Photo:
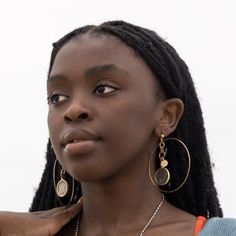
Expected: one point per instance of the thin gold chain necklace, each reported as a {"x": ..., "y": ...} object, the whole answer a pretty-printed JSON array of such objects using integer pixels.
[{"x": 144, "y": 228}]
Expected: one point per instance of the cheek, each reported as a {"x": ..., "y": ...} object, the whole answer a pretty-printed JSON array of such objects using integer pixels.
[
  {"x": 54, "y": 131},
  {"x": 52, "y": 127},
  {"x": 135, "y": 118},
  {"x": 129, "y": 128}
]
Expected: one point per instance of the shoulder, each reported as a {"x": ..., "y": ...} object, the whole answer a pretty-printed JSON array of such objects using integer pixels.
[{"x": 219, "y": 227}]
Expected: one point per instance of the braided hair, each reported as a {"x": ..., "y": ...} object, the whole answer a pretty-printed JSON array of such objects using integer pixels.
[{"x": 198, "y": 196}]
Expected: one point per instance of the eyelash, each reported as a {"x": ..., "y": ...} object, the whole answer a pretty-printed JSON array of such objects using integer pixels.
[
  {"x": 102, "y": 86},
  {"x": 51, "y": 98}
]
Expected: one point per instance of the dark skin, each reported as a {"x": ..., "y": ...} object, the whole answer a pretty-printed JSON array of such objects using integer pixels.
[
  {"x": 98, "y": 84},
  {"x": 38, "y": 223}
]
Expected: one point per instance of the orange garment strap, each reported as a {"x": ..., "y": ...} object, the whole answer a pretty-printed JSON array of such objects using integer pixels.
[{"x": 199, "y": 224}]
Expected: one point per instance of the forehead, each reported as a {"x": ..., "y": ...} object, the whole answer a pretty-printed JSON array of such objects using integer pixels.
[
  {"x": 99, "y": 45},
  {"x": 88, "y": 50}
]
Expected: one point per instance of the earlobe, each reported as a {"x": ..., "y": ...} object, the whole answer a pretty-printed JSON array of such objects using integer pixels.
[{"x": 172, "y": 111}]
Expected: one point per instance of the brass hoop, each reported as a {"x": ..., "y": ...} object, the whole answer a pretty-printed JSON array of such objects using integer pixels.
[
  {"x": 188, "y": 170},
  {"x": 55, "y": 186}
]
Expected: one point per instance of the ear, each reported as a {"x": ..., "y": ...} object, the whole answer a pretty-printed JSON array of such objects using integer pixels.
[{"x": 171, "y": 112}]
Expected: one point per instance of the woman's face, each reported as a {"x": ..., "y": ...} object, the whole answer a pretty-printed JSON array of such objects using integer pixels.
[{"x": 103, "y": 107}]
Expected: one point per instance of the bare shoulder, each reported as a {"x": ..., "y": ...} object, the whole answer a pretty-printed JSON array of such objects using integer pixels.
[{"x": 173, "y": 221}]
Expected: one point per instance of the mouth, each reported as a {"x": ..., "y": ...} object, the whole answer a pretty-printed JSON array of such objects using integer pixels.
[
  {"x": 79, "y": 147},
  {"x": 77, "y": 141}
]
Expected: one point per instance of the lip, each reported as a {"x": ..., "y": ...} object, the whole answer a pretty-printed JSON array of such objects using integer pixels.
[{"x": 79, "y": 141}]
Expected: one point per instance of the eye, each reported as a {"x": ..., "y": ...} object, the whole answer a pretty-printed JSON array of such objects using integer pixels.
[
  {"x": 104, "y": 89},
  {"x": 56, "y": 98}
]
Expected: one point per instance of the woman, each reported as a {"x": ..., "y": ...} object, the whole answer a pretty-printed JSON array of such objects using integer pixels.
[{"x": 126, "y": 124}]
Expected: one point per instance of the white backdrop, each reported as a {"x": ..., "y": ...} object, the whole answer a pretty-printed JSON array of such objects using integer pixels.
[{"x": 203, "y": 32}]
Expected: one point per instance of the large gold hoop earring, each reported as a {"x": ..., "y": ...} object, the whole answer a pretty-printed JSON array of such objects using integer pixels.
[
  {"x": 162, "y": 175},
  {"x": 62, "y": 187}
]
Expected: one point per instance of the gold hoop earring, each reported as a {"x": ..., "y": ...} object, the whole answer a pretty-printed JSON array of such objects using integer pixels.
[
  {"x": 62, "y": 187},
  {"x": 162, "y": 175}
]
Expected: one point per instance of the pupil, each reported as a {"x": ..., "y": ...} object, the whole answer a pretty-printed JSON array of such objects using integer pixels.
[
  {"x": 56, "y": 99},
  {"x": 101, "y": 89}
]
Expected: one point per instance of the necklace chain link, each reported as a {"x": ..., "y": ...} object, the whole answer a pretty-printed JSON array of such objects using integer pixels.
[{"x": 144, "y": 228}]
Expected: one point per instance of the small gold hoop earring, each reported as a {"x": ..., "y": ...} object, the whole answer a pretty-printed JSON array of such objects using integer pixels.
[
  {"x": 62, "y": 187},
  {"x": 162, "y": 175}
]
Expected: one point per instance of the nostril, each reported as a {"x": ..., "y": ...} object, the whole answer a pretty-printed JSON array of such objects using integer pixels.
[
  {"x": 72, "y": 117},
  {"x": 67, "y": 119},
  {"x": 83, "y": 116}
]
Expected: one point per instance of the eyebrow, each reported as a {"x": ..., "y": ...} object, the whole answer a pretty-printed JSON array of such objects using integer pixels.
[
  {"x": 94, "y": 71},
  {"x": 105, "y": 68}
]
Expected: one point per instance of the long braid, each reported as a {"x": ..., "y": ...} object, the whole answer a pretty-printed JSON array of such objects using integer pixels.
[
  {"x": 198, "y": 196},
  {"x": 42, "y": 200}
]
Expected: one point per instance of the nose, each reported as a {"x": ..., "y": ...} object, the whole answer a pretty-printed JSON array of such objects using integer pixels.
[{"x": 77, "y": 112}]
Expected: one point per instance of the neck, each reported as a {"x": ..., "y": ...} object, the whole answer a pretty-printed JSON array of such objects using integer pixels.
[
  {"x": 123, "y": 202},
  {"x": 116, "y": 201}
]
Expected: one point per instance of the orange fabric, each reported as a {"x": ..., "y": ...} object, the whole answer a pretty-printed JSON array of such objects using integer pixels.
[{"x": 199, "y": 224}]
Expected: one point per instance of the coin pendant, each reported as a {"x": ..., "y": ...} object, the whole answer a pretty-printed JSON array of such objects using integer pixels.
[
  {"x": 162, "y": 176},
  {"x": 62, "y": 188}
]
